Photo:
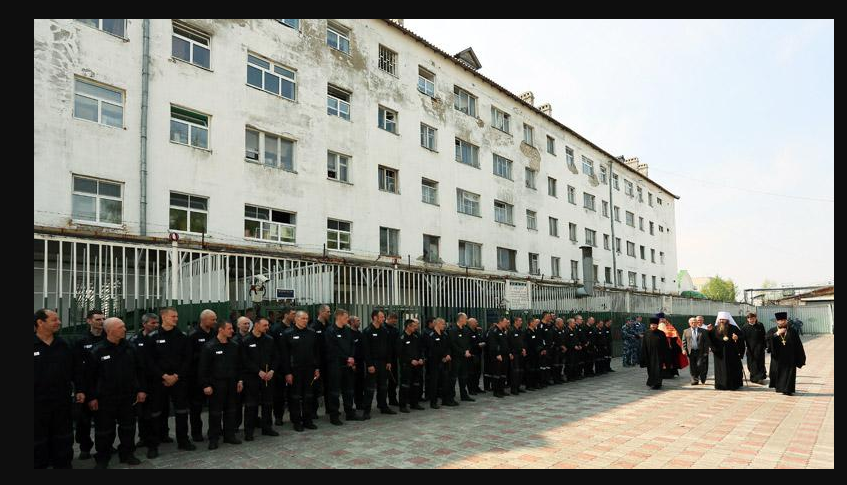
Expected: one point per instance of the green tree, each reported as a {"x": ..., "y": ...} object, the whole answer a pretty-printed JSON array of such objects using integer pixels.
[{"x": 720, "y": 289}]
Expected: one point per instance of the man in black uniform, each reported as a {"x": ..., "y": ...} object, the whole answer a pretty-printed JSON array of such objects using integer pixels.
[
  {"x": 439, "y": 361},
  {"x": 393, "y": 336},
  {"x": 116, "y": 373},
  {"x": 572, "y": 348},
  {"x": 242, "y": 323},
  {"x": 558, "y": 354},
  {"x": 219, "y": 374},
  {"x": 597, "y": 343},
  {"x": 280, "y": 392},
  {"x": 586, "y": 352},
  {"x": 534, "y": 345},
  {"x": 477, "y": 343},
  {"x": 607, "y": 358},
  {"x": 320, "y": 326},
  {"x": 259, "y": 362},
  {"x": 340, "y": 359},
  {"x": 426, "y": 340},
  {"x": 359, "y": 367},
  {"x": 168, "y": 357},
  {"x": 299, "y": 347},
  {"x": 754, "y": 335},
  {"x": 460, "y": 358},
  {"x": 517, "y": 355},
  {"x": 83, "y": 346},
  {"x": 379, "y": 353},
  {"x": 56, "y": 367},
  {"x": 545, "y": 330},
  {"x": 149, "y": 323},
  {"x": 411, "y": 362},
  {"x": 198, "y": 337},
  {"x": 243, "y": 327},
  {"x": 498, "y": 354}
]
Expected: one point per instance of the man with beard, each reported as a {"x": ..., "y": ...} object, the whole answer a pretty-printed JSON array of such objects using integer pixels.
[
  {"x": 754, "y": 338},
  {"x": 787, "y": 355},
  {"x": 654, "y": 349},
  {"x": 727, "y": 344}
]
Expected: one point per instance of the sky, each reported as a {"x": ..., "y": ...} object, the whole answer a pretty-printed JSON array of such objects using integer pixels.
[{"x": 735, "y": 117}]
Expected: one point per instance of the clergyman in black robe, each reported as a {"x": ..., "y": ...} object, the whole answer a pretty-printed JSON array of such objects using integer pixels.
[
  {"x": 787, "y": 355},
  {"x": 727, "y": 344},
  {"x": 754, "y": 338},
  {"x": 654, "y": 350}
]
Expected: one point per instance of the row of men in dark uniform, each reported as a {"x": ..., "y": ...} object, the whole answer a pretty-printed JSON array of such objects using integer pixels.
[{"x": 292, "y": 364}]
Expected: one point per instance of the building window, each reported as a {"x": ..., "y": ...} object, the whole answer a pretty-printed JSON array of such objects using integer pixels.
[
  {"x": 569, "y": 157},
  {"x": 389, "y": 244},
  {"x": 617, "y": 211},
  {"x": 337, "y": 166},
  {"x": 587, "y": 167},
  {"x": 426, "y": 82},
  {"x": 640, "y": 194},
  {"x": 615, "y": 182},
  {"x": 112, "y": 26},
  {"x": 97, "y": 201},
  {"x": 661, "y": 229},
  {"x": 662, "y": 259},
  {"x": 630, "y": 219},
  {"x": 654, "y": 283},
  {"x": 503, "y": 212},
  {"x": 632, "y": 276},
  {"x": 98, "y": 103},
  {"x": 338, "y": 235},
  {"x": 605, "y": 209},
  {"x": 428, "y": 137},
  {"x": 619, "y": 281},
  {"x": 574, "y": 270},
  {"x": 279, "y": 152},
  {"x": 467, "y": 153},
  {"x": 530, "y": 177},
  {"x": 663, "y": 280},
  {"x": 554, "y": 267},
  {"x": 528, "y": 135},
  {"x": 627, "y": 187},
  {"x": 643, "y": 252},
  {"x": 338, "y": 37},
  {"x": 641, "y": 223},
  {"x": 595, "y": 275},
  {"x": 618, "y": 245},
  {"x": 337, "y": 102},
  {"x": 572, "y": 231},
  {"x": 533, "y": 264},
  {"x": 604, "y": 176},
  {"x": 551, "y": 145},
  {"x": 470, "y": 255},
  {"x": 188, "y": 213},
  {"x": 652, "y": 255},
  {"x": 588, "y": 201},
  {"x": 590, "y": 237},
  {"x": 388, "y": 179},
  {"x": 429, "y": 191},
  {"x": 502, "y": 167},
  {"x": 500, "y": 119},
  {"x": 387, "y": 119},
  {"x": 608, "y": 275},
  {"x": 506, "y": 259},
  {"x": 531, "y": 220},
  {"x": 387, "y": 60},
  {"x": 551, "y": 186},
  {"x": 430, "y": 248},
  {"x": 464, "y": 101},
  {"x": 189, "y": 128},
  {"x": 630, "y": 249},
  {"x": 554, "y": 226},
  {"x": 659, "y": 200},
  {"x": 293, "y": 23},
  {"x": 651, "y": 228},
  {"x": 571, "y": 195},
  {"x": 191, "y": 45},
  {"x": 606, "y": 242},
  {"x": 270, "y": 77},
  {"x": 467, "y": 203},
  {"x": 269, "y": 224}
]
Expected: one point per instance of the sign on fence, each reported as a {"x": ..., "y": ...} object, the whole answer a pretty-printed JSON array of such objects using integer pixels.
[{"x": 518, "y": 295}]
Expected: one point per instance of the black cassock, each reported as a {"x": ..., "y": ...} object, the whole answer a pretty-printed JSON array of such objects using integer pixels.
[
  {"x": 671, "y": 362},
  {"x": 654, "y": 351},
  {"x": 786, "y": 357},
  {"x": 727, "y": 357},
  {"x": 754, "y": 336}
]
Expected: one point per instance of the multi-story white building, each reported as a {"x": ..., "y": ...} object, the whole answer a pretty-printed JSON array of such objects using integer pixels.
[{"x": 352, "y": 139}]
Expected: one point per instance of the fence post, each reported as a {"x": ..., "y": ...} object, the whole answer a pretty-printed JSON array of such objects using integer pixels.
[{"x": 174, "y": 271}]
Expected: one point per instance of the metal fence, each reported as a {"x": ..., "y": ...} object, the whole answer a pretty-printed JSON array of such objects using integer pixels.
[{"x": 816, "y": 318}]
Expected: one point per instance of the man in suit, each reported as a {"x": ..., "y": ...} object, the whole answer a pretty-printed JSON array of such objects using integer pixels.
[{"x": 696, "y": 346}]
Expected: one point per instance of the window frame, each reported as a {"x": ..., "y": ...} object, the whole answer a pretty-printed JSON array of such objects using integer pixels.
[
  {"x": 630, "y": 219},
  {"x": 551, "y": 145},
  {"x": 191, "y": 30},
  {"x": 531, "y": 215},
  {"x": 528, "y": 178},
  {"x": 473, "y": 150},
  {"x": 471, "y": 103},
  {"x": 426, "y": 82},
  {"x": 574, "y": 270},
  {"x": 390, "y": 231},
  {"x": 101, "y": 29},
  {"x": 551, "y": 184},
  {"x": 531, "y": 130},
  {"x": 99, "y": 100},
  {"x": 433, "y": 188},
  {"x": 476, "y": 254},
  {"x": 97, "y": 198},
  {"x": 604, "y": 175},
  {"x": 572, "y": 231},
  {"x": 338, "y": 232},
  {"x": 383, "y": 179},
  {"x": 590, "y": 164},
  {"x": 191, "y": 126},
  {"x": 569, "y": 157},
  {"x": 383, "y": 122},
  {"x": 429, "y": 133},
  {"x": 338, "y": 166},
  {"x": 270, "y": 222},
  {"x": 630, "y": 249},
  {"x": 555, "y": 267},
  {"x": 553, "y": 224},
  {"x": 511, "y": 255},
  {"x": 339, "y": 101},
  {"x": 586, "y": 198},
  {"x": 271, "y": 70},
  {"x": 507, "y": 209},
  {"x": 262, "y": 152},
  {"x": 503, "y": 161},
  {"x": 341, "y": 32},
  {"x": 189, "y": 211},
  {"x": 533, "y": 261},
  {"x": 429, "y": 258},
  {"x": 392, "y": 62},
  {"x": 283, "y": 22},
  {"x": 503, "y": 120},
  {"x": 464, "y": 198},
  {"x": 590, "y": 241}
]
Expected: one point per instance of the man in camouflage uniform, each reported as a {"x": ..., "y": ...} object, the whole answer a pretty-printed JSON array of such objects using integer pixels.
[{"x": 629, "y": 332}]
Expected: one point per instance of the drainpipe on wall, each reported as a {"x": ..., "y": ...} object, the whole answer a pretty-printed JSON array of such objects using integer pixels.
[
  {"x": 612, "y": 224},
  {"x": 145, "y": 75}
]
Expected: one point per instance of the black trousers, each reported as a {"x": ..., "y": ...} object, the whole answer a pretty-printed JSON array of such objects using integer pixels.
[
  {"x": 222, "y": 406},
  {"x": 300, "y": 395},
  {"x": 475, "y": 373},
  {"x": 359, "y": 384},
  {"x": 487, "y": 369},
  {"x": 160, "y": 399},
  {"x": 698, "y": 364},
  {"x": 196, "y": 400},
  {"x": 498, "y": 373},
  {"x": 116, "y": 410},
  {"x": 319, "y": 390},
  {"x": 54, "y": 441},
  {"x": 84, "y": 420},
  {"x": 376, "y": 383},
  {"x": 439, "y": 382},
  {"x": 393, "y": 383},
  {"x": 280, "y": 396},
  {"x": 558, "y": 365},
  {"x": 410, "y": 384},
  {"x": 256, "y": 393},
  {"x": 532, "y": 371},
  {"x": 516, "y": 373},
  {"x": 339, "y": 383},
  {"x": 588, "y": 361},
  {"x": 459, "y": 372},
  {"x": 544, "y": 369},
  {"x": 572, "y": 364}
]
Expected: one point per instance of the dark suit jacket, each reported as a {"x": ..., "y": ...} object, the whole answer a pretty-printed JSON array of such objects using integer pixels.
[{"x": 702, "y": 340}]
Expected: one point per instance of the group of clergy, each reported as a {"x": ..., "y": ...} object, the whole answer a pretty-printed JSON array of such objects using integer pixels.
[{"x": 663, "y": 352}]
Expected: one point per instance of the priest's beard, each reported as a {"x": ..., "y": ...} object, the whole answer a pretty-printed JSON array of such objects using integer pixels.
[
  {"x": 782, "y": 325},
  {"x": 722, "y": 328}
]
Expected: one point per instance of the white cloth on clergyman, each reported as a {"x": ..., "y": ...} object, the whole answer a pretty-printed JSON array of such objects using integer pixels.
[{"x": 726, "y": 316}]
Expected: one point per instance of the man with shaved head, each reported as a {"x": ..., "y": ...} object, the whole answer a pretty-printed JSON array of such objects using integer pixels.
[
  {"x": 198, "y": 337},
  {"x": 300, "y": 365},
  {"x": 477, "y": 343}
]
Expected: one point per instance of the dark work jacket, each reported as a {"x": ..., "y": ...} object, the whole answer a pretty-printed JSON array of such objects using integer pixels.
[
  {"x": 409, "y": 348},
  {"x": 557, "y": 339},
  {"x": 426, "y": 341},
  {"x": 115, "y": 370},
  {"x": 139, "y": 341},
  {"x": 277, "y": 330},
  {"x": 167, "y": 352},
  {"x": 377, "y": 347},
  {"x": 219, "y": 362},
  {"x": 476, "y": 339},
  {"x": 534, "y": 342},
  {"x": 497, "y": 344},
  {"x": 460, "y": 341},
  {"x": 258, "y": 354},
  {"x": 82, "y": 351},
  {"x": 570, "y": 339},
  {"x": 393, "y": 336},
  {"x": 320, "y": 329},
  {"x": 358, "y": 351},
  {"x": 439, "y": 347},
  {"x": 339, "y": 345},
  {"x": 299, "y": 349},
  {"x": 516, "y": 340},
  {"x": 56, "y": 368},
  {"x": 198, "y": 338}
]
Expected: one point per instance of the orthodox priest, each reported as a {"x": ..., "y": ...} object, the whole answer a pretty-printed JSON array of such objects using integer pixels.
[
  {"x": 754, "y": 338},
  {"x": 654, "y": 351},
  {"x": 787, "y": 355},
  {"x": 727, "y": 343}
]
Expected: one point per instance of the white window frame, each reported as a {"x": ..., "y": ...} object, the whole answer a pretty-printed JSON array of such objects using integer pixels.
[
  {"x": 338, "y": 233},
  {"x": 501, "y": 161},
  {"x": 272, "y": 69},
  {"x": 640, "y": 192},
  {"x": 529, "y": 130},
  {"x": 97, "y": 196},
  {"x": 587, "y": 166},
  {"x": 551, "y": 145},
  {"x": 511, "y": 255},
  {"x": 608, "y": 275},
  {"x": 429, "y": 137},
  {"x": 500, "y": 120},
  {"x": 387, "y": 60},
  {"x": 641, "y": 223},
  {"x": 607, "y": 244},
  {"x": 187, "y": 29},
  {"x": 575, "y": 270},
  {"x": 99, "y": 99},
  {"x": 425, "y": 85},
  {"x": 569, "y": 157},
  {"x": 618, "y": 245},
  {"x": 384, "y": 120},
  {"x": 630, "y": 219},
  {"x": 642, "y": 252},
  {"x": 616, "y": 182},
  {"x": 589, "y": 202},
  {"x": 632, "y": 279},
  {"x": 339, "y": 103},
  {"x": 617, "y": 212},
  {"x": 590, "y": 237},
  {"x": 530, "y": 176},
  {"x": 341, "y": 166},
  {"x": 99, "y": 27},
  {"x": 468, "y": 203},
  {"x": 572, "y": 195},
  {"x": 191, "y": 127},
  {"x": 262, "y": 153},
  {"x": 650, "y": 199},
  {"x": 533, "y": 264},
  {"x": 387, "y": 177},
  {"x": 652, "y": 233},
  {"x": 269, "y": 222},
  {"x": 288, "y": 22},
  {"x": 190, "y": 210},
  {"x": 572, "y": 231},
  {"x": 628, "y": 188},
  {"x": 604, "y": 175},
  {"x": 506, "y": 210},
  {"x": 470, "y": 101},
  {"x": 652, "y": 255},
  {"x": 430, "y": 187},
  {"x": 475, "y": 251},
  {"x": 391, "y": 233},
  {"x": 341, "y": 33},
  {"x": 551, "y": 186},
  {"x": 554, "y": 226},
  {"x": 605, "y": 208},
  {"x": 531, "y": 220},
  {"x": 630, "y": 249},
  {"x": 654, "y": 283},
  {"x": 554, "y": 267},
  {"x": 428, "y": 240},
  {"x": 620, "y": 278},
  {"x": 473, "y": 150}
]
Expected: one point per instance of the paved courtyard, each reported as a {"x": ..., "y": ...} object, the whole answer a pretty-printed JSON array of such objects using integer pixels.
[{"x": 611, "y": 421}]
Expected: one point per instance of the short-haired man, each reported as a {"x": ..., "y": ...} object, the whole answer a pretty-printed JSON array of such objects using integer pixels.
[
  {"x": 340, "y": 360},
  {"x": 299, "y": 347},
  {"x": 393, "y": 376},
  {"x": 259, "y": 363},
  {"x": 198, "y": 337},
  {"x": 411, "y": 363},
  {"x": 695, "y": 345},
  {"x": 94, "y": 318},
  {"x": 477, "y": 344},
  {"x": 754, "y": 337},
  {"x": 379, "y": 352},
  {"x": 219, "y": 375}
]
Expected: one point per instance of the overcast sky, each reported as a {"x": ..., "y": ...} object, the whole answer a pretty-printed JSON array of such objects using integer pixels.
[{"x": 732, "y": 116}]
